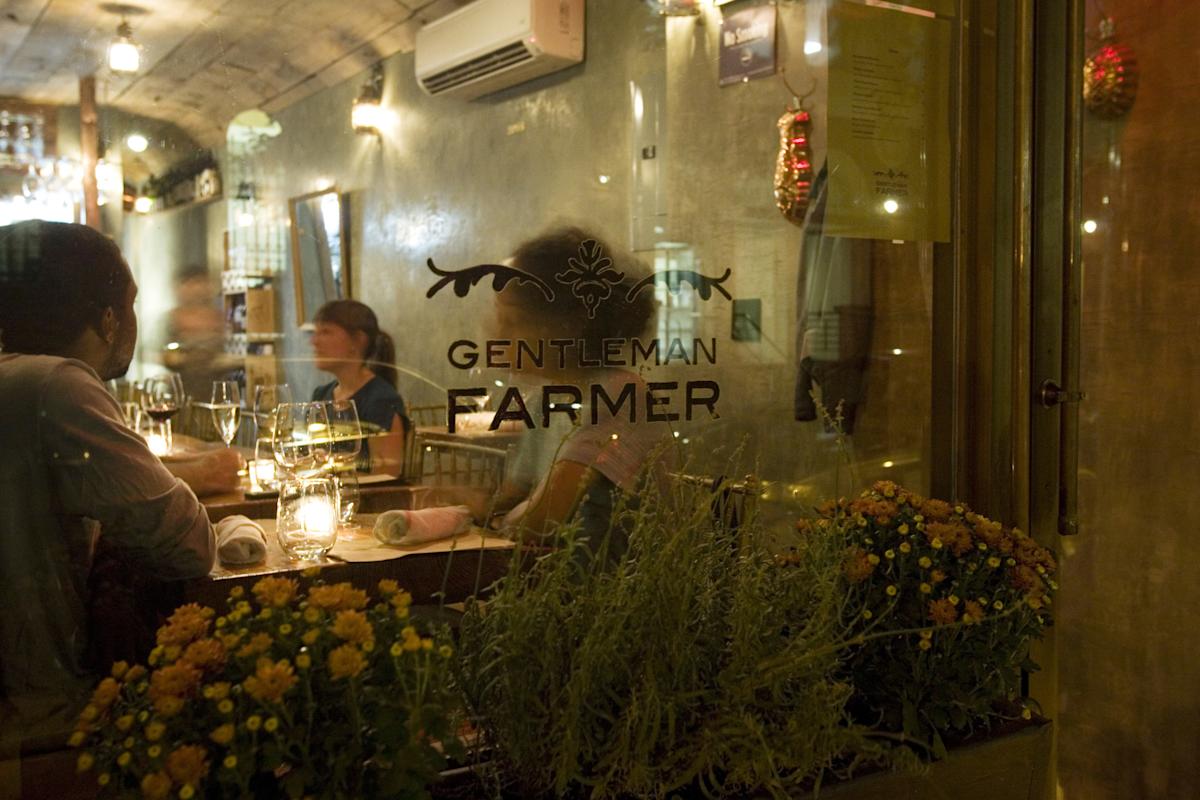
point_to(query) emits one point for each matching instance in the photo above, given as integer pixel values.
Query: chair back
(449, 463)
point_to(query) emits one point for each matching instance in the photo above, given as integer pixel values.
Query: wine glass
(300, 437)
(162, 399)
(226, 409)
(266, 397)
(345, 446)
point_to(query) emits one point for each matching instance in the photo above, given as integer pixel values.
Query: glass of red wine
(162, 399)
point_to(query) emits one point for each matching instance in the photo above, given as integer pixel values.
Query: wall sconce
(123, 53)
(366, 115)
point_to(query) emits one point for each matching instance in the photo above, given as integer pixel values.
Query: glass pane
(1127, 666)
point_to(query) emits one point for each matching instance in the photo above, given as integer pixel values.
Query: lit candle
(317, 516)
(157, 444)
(263, 472)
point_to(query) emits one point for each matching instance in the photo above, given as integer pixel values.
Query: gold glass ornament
(1110, 76)
(793, 167)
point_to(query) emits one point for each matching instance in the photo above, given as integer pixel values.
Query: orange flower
(259, 643)
(954, 535)
(277, 592)
(937, 576)
(205, 654)
(223, 734)
(388, 587)
(973, 612)
(187, 624)
(176, 680)
(942, 611)
(1019, 577)
(168, 705)
(346, 662)
(352, 626)
(106, 693)
(270, 681)
(135, 673)
(886, 488)
(338, 597)
(156, 786)
(856, 565)
(188, 764)
(937, 510)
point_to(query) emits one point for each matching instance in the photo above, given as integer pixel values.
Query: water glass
(307, 517)
(300, 437)
(268, 397)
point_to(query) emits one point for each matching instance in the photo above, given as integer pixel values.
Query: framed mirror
(320, 251)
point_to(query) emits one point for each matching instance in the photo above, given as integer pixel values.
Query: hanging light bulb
(367, 114)
(123, 54)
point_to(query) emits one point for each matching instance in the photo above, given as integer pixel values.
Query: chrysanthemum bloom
(277, 592)
(205, 655)
(338, 597)
(156, 786)
(259, 643)
(973, 612)
(223, 734)
(188, 623)
(270, 681)
(352, 626)
(188, 764)
(388, 587)
(856, 565)
(943, 612)
(346, 662)
(176, 680)
(106, 693)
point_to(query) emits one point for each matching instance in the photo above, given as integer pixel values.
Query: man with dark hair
(73, 476)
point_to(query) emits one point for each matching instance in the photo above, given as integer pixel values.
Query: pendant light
(123, 54)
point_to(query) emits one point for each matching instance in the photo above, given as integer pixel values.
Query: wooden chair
(443, 463)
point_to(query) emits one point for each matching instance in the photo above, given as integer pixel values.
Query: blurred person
(580, 471)
(74, 479)
(348, 343)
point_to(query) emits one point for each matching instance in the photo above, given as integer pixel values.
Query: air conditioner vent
(480, 67)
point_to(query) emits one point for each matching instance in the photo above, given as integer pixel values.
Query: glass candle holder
(262, 469)
(306, 519)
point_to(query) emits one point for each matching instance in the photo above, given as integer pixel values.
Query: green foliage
(693, 662)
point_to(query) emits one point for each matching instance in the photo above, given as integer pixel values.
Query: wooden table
(372, 499)
(445, 571)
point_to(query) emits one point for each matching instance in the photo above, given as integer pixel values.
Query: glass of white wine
(226, 408)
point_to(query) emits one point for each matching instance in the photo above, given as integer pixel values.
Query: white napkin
(240, 540)
(421, 525)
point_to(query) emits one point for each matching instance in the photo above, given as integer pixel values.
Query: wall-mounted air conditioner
(493, 44)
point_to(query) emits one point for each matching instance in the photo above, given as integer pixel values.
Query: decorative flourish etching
(590, 276)
(464, 279)
(673, 278)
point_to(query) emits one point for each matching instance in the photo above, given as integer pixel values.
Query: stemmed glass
(162, 399)
(300, 439)
(346, 444)
(267, 396)
(226, 409)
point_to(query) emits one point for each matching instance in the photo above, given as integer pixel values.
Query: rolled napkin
(240, 540)
(421, 525)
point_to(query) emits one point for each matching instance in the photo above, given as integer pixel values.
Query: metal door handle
(1050, 394)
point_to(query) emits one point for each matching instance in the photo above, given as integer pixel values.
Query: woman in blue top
(348, 343)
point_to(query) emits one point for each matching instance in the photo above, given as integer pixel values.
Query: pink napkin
(421, 525)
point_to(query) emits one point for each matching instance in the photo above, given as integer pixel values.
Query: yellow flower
(905, 547)
(265, 613)
(119, 668)
(89, 713)
(225, 706)
(187, 792)
(230, 761)
(168, 706)
(303, 661)
(368, 645)
(77, 738)
(998, 605)
(346, 662)
(154, 750)
(285, 629)
(903, 527)
(427, 644)
(143, 716)
(445, 651)
(352, 626)
(388, 587)
(412, 641)
(236, 592)
(874, 559)
(135, 672)
(103, 778)
(155, 730)
(1026, 714)
(223, 734)
(124, 758)
(156, 786)
(128, 743)
(277, 592)
(867, 613)
(889, 554)
(936, 544)
(338, 597)
(1034, 602)
(982, 546)
(205, 654)
(311, 572)
(396, 649)
(993, 562)
(926, 588)
(312, 615)
(270, 725)
(924, 644)
(891, 590)
(311, 636)
(926, 634)
(401, 600)
(254, 722)
(259, 643)
(924, 562)
(85, 762)
(124, 722)
(186, 624)
(270, 681)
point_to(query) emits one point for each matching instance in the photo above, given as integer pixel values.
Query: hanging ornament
(793, 167)
(1110, 76)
